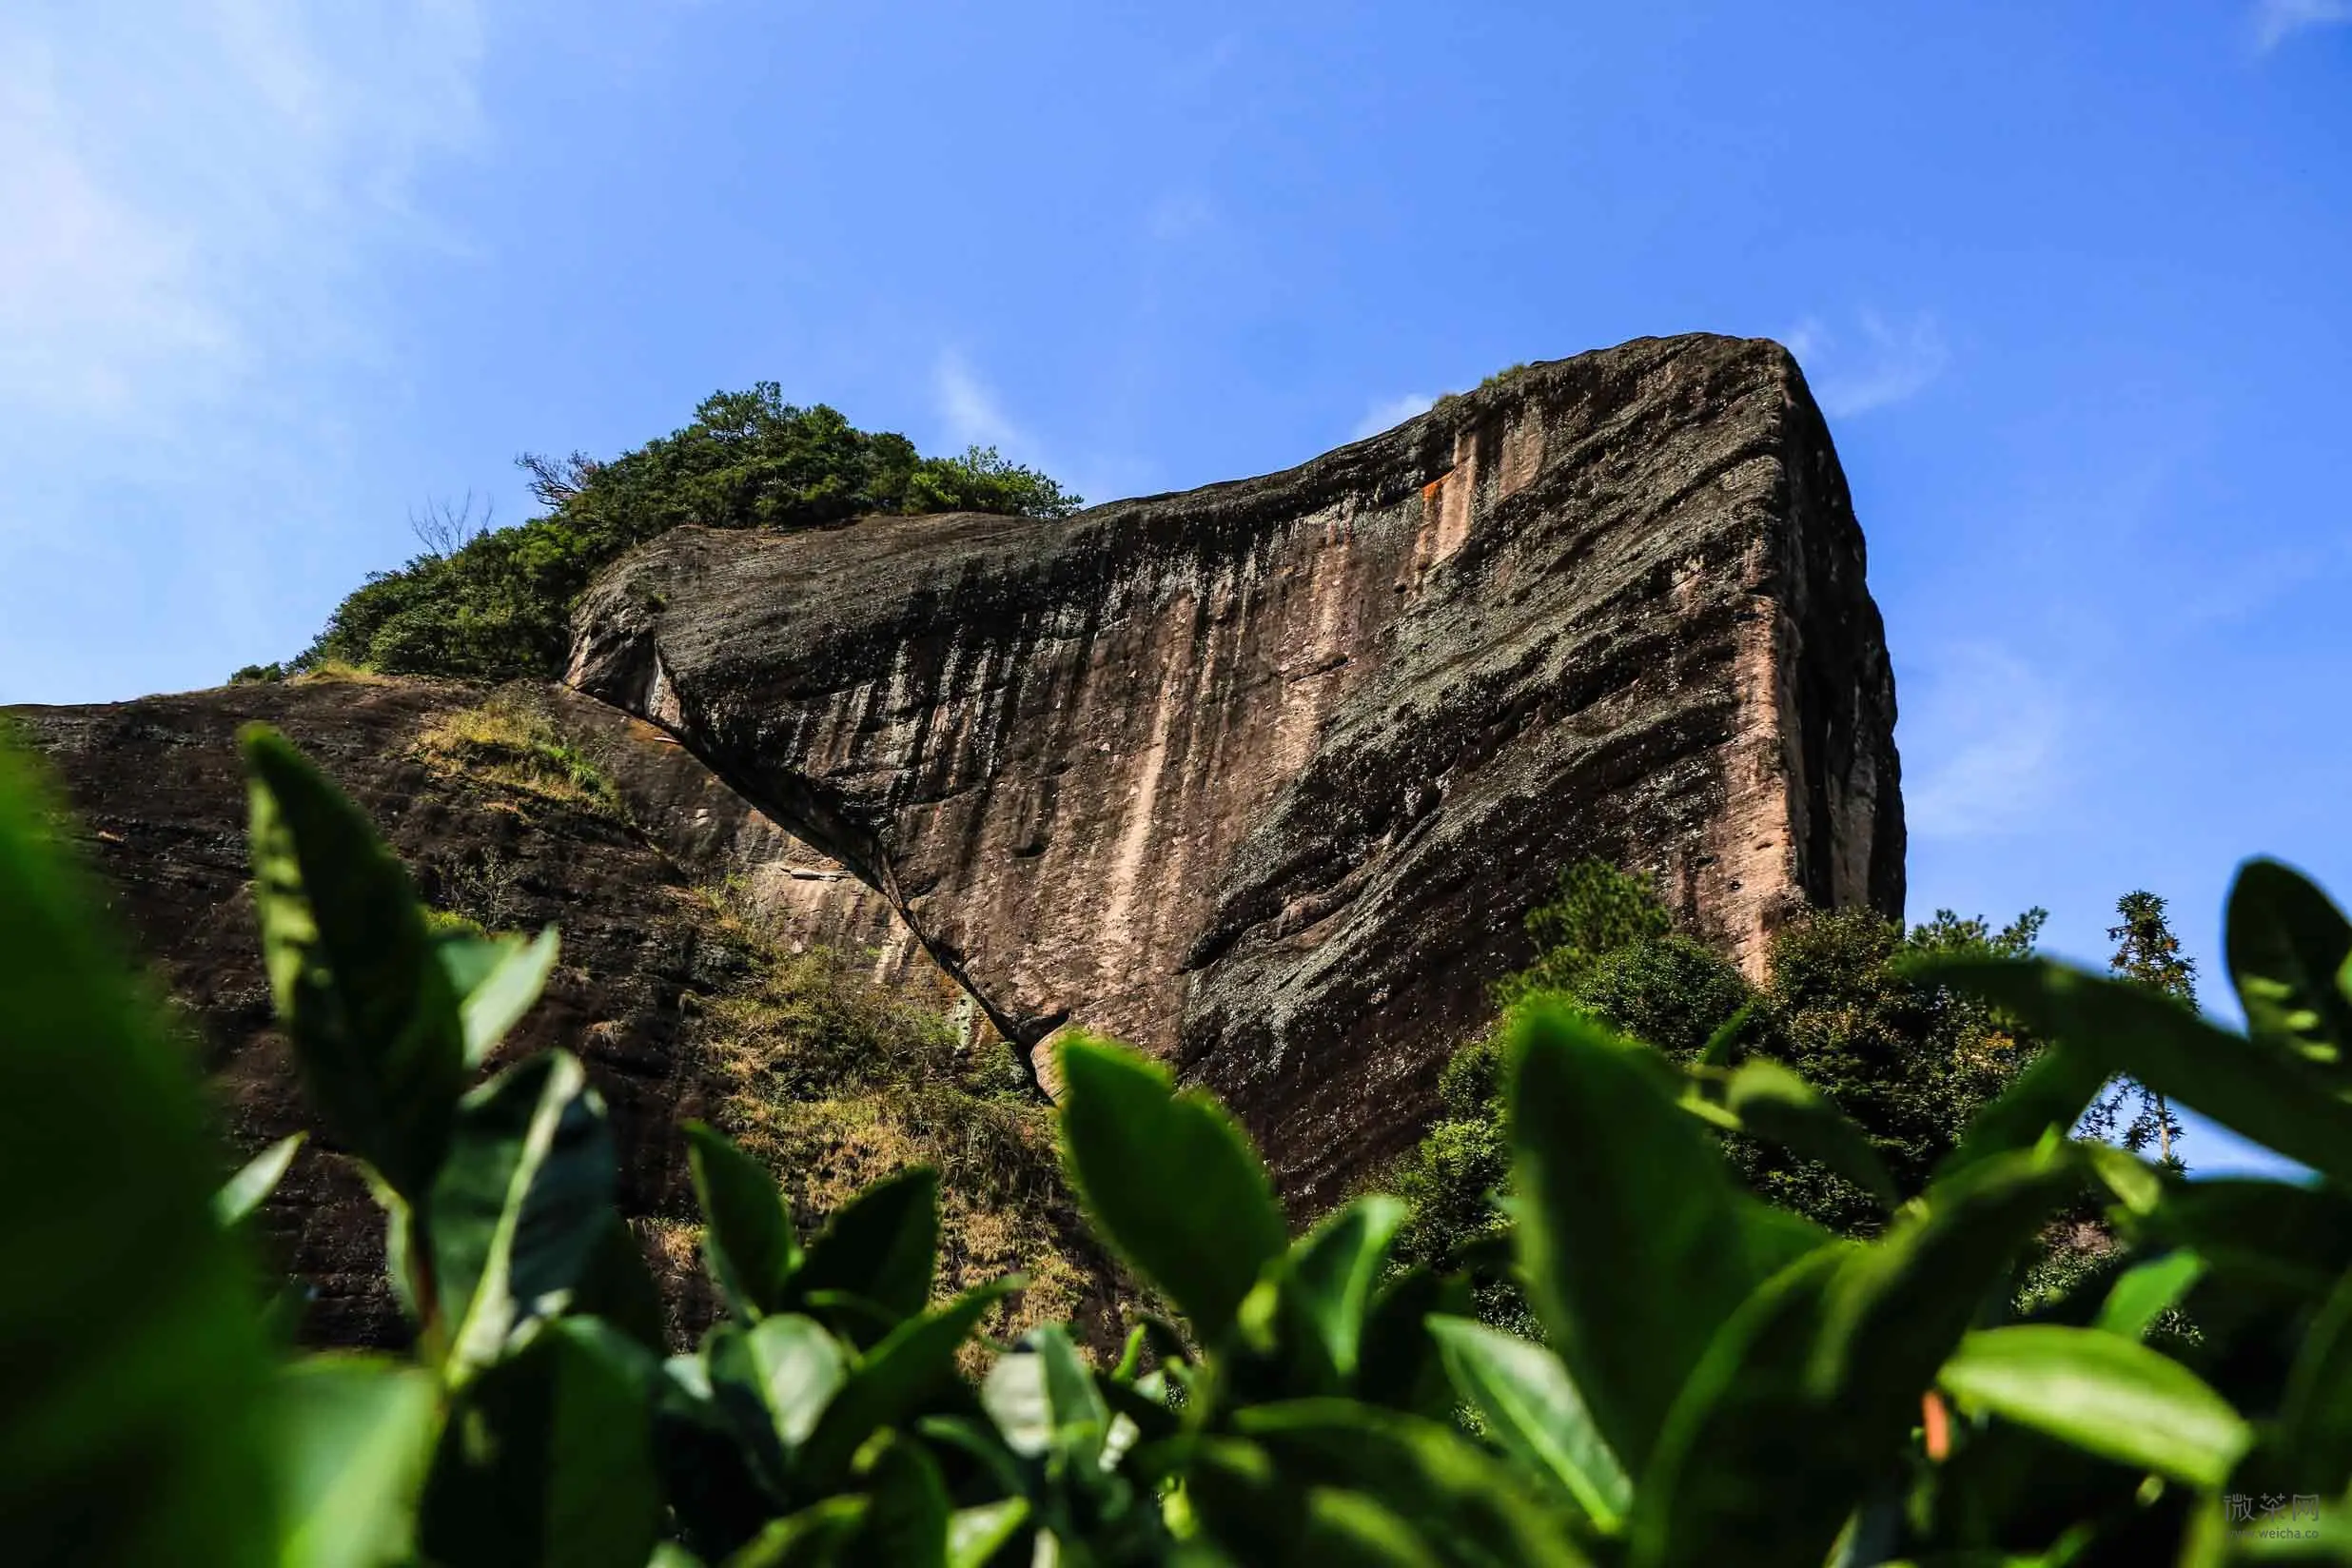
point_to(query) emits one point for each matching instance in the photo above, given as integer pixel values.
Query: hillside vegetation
(1717, 1380)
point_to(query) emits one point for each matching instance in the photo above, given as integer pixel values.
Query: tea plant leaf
(814, 1536)
(522, 1204)
(251, 1187)
(1722, 1485)
(354, 1434)
(1398, 1366)
(2260, 1088)
(1532, 1409)
(2315, 1416)
(882, 1245)
(1632, 1263)
(800, 1367)
(2099, 1391)
(2053, 1092)
(976, 1535)
(547, 1459)
(1775, 1105)
(130, 1431)
(2287, 944)
(2146, 1292)
(1466, 1505)
(357, 985)
(497, 982)
(747, 1234)
(891, 1383)
(1042, 1399)
(1894, 1310)
(1169, 1180)
(1333, 1272)
(906, 1520)
(616, 1285)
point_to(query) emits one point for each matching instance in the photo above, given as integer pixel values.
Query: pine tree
(2148, 953)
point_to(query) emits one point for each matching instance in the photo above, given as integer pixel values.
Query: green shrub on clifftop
(497, 604)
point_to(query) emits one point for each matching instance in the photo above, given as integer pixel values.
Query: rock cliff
(681, 909)
(1264, 777)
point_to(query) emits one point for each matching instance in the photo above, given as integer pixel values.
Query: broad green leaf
(2315, 1418)
(2297, 1234)
(1399, 1366)
(2137, 1185)
(906, 1525)
(1894, 1310)
(1829, 1361)
(547, 1459)
(353, 1436)
(1533, 1410)
(800, 1367)
(1724, 1043)
(2261, 1089)
(496, 982)
(975, 1535)
(1042, 1399)
(1752, 1466)
(2146, 1291)
(616, 1285)
(358, 984)
(747, 1233)
(251, 1187)
(2287, 944)
(894, 1381)
(1635, 1245)
(522, 1204)
(1333, 1272)
(2053, 1092)
(130, 1345)
(1169, 1180)
(1464, 1504)
(2103, 1392)
(817, 1535)
(1775, 1105)
(882, 1245)
(1349, 1526)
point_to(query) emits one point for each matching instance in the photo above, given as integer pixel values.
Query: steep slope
(693, 972)
(1263, 777)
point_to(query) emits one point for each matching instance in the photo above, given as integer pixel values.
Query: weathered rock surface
(158, 788)
(1264, 777)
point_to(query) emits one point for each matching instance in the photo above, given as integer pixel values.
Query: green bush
(1910, 1063)
(497, 605)
(1720, 1381)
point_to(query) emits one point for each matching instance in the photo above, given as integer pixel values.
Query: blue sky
(2070, 279)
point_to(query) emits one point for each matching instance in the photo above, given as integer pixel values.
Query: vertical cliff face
(1264, 777)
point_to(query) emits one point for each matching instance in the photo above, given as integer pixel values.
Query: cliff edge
(1264, 777)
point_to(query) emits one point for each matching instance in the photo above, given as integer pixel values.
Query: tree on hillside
(495, 604)
(2148, 954)
(1910, 1063)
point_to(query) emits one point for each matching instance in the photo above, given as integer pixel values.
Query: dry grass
(835, 1081)
(511, 741)
(335, 670)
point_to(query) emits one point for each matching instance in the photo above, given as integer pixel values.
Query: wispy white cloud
(198, 201)
(969, 409)
(1983, 736)
(1883, 361)
(971, 412)
(2274, 21)
(184, 196)
(1388, 414)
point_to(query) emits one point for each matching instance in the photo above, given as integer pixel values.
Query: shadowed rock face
(1264, 777)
